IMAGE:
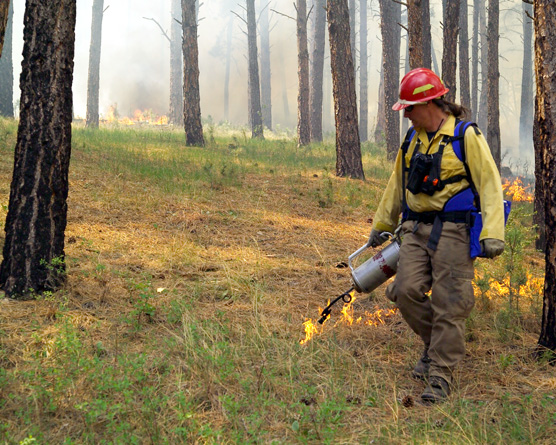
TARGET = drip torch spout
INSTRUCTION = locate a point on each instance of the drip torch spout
(345, 297)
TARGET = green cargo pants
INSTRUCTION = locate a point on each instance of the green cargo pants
(439, 319)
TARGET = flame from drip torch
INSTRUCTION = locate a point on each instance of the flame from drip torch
(376, 318)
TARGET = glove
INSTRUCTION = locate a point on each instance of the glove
(375, 239)
(492, 247)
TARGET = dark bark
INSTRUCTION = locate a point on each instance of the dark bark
(7, 71)
(465, 94)
(317, 69)
(93, 79)
(176, 66)
(303, 115)
(37, 213)
(475, 63)
(493, 82)
(255, 112)
(390, 17)
(545, 145)
(363, 73)
(191, 95)
(348, 145)
(527, 94)
(415, 34)
(450, 48)
(426, 24)
(4, 13)
(266, 90)
(482, 116)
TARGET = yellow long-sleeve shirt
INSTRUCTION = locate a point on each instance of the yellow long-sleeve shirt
(484, 174)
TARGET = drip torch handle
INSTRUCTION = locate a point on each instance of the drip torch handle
(363, 248)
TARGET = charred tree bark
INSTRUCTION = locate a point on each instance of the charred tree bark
(391, 16)
(482, 116)
(363, 73)
(191, 94)
(527, 94)
(475, 63)
(465, 94)
(4, 13)
(415, 34)
(266, 89)
(348, 145)
(450, 48)
(176, 66)
(303, 115)
(317, 69)
(493, 82)
(7, 71)
(93, 79)
(426, 24)
(545, 145)
(256, 118)
(37, 214)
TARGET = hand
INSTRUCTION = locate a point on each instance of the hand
(492, 247)
(375, 239)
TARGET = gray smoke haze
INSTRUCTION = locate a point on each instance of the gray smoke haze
(135, 61)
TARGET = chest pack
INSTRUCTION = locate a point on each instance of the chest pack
(423, 176)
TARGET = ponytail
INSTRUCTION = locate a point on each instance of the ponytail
(451, 108)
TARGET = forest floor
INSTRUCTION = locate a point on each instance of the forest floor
(191, 276)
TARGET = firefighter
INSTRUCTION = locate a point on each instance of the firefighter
(438, 190)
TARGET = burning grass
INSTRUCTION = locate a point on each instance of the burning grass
(190, 274)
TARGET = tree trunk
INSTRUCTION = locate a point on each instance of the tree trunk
(493, 82)
(415, 34)
(380, 128)
(450, 48)
(4, 13)
(266, 90)
(545, 145)
(303, 115)
(228, 66)
(527, 94)
(426, 24)
(93, 80)
(256, 118)
(7, 71)
(482, 116)
(352, 31)
(176, 66)
(348, 145)
(391, 16)
(317, 69)
(475, 63)
(465, 94)
(191, 95)
(37, 214)
(363, 73)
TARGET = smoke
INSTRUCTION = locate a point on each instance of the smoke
(136, 56)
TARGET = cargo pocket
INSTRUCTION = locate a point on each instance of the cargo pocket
(461, 295)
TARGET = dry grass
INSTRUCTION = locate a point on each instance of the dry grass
(183, 312)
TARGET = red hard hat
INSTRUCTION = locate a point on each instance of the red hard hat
(417, 86)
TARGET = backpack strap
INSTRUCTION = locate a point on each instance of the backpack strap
(458, 145)
(404, 148)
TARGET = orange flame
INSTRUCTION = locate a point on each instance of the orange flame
(517, 192)
(378, 317)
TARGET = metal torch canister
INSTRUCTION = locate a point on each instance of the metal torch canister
(376, 270)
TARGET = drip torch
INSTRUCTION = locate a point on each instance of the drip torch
(372, 273)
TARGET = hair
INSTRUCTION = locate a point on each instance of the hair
(452, 108)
